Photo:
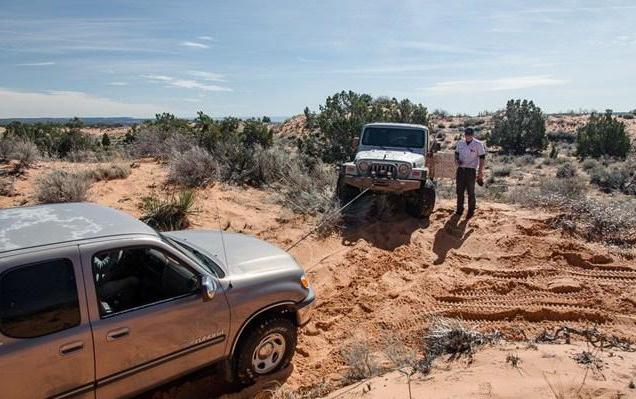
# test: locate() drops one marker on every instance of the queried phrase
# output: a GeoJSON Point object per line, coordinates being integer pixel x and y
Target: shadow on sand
{"type": "Point", "coordinates": [207, 384]}
{"type": "Point", "coordinates": [451, 236]}
{"type": "Point", "coordinates": [385, 234]}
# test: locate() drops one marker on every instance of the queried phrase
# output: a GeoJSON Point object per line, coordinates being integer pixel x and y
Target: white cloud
{"type": "Point", "coordinates": [60, 104]}
{"type": "Point", "coordinates": [118, 84]}
{"type": "Point", "coordinates": [483, 85]}
{"type": "Point", "coordinates": [46, 63]}
{"type": "Point", "coordinates": [435, 47]}
{"type": "Point", "coordinates": [194, 45]}
{"type": "Point", "coordinates": [184, 83]}
{"type": "Point", "coordinates": [206, 38]}
{"type": "Point", "coordinates": [210, 76]}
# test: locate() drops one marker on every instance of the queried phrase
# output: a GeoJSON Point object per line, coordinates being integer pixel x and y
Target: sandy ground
{"type": "Point", "coordinates": [505, 269]}
{"type": "Point", "coordinates": [545, 372]}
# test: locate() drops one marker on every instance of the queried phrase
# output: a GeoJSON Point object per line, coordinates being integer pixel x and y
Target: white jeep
{"type": "Point", "coordinates": [391, 158]}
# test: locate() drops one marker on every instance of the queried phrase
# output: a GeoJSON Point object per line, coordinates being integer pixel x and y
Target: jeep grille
{"type": "Point", "coordinates": [382, 170]}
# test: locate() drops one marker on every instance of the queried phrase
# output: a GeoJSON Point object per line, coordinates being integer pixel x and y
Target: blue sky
{"type": "Point", "coordinates": [136, 58]}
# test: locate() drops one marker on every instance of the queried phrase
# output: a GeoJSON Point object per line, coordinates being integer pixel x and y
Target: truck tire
{"type": "Point", "coordinates": [269, 347]}
{"type": "Point", "coordinates": [345, 192]}
{"type": "Point", "coordinates": [421, 202]}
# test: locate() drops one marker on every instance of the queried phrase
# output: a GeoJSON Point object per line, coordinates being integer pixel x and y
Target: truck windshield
{"type": "Point", "coordinates": [393, 137]}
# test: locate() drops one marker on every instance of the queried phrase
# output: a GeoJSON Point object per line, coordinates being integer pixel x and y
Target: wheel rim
{"type": "Point", "coordinates": [268, 353]}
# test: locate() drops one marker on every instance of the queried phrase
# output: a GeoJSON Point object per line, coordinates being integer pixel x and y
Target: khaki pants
{"type": "Point", "coordinates": [465, 181]}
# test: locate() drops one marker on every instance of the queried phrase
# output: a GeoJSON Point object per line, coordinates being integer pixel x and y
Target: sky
{"type": "Point", "coordinates": [250, 58]}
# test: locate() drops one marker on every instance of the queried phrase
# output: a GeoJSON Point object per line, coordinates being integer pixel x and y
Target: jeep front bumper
{"type": "Point", "coordinates": [384, 185]}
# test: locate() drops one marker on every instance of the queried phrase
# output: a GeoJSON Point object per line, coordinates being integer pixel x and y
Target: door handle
{"type": "Point", "coordinates": [71, 347]}
{"type": "Point", "coordinates": [117, 333]}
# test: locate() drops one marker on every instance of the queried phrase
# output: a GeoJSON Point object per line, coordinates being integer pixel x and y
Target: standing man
{"type": "Point", "coordinates": [470, 156]}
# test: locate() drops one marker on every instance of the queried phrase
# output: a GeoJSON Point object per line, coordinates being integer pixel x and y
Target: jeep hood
{"type": "Point", "coordinates": [392, 155]}
{"type": "Point", "coordinates": [245, 254]}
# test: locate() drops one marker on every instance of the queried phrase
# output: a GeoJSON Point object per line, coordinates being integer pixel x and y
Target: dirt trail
{"type": "Point", "coordinates": [505, 269]}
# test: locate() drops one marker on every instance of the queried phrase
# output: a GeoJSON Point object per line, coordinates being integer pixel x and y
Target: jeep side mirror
{"type": "Point", "coordinates": [354, 143]}
{"type": "Point", "coordinates": [209, 286]}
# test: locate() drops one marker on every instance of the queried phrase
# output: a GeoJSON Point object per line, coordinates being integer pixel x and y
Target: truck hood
{"type": "Point", "coordinates": [245, 254]}
{"type": "Point", "coordinates": [392, 155]}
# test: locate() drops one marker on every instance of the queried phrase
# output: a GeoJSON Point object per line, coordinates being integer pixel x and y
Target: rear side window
{"type": "Point", "coordinates": [38, 299]}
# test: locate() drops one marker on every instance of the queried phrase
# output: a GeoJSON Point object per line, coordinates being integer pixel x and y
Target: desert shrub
{"type": "Point", "coordinates": [7, 187]}
{"type": "Point", "coordinates": [109, 171]}
{"type": "Point", "coordinates": [615, 177]}
{"type": "Point", "coordinates": [502, 171]}
{"type": "Point", "coordinates": [168, 213]}
{"type": "Point", "coordinates": [25, 152]}
{"type": "Point", "coordinates": [603, 135]}
{"type": "Point", "coordinates": [627, 116]}
{"type": "Point", "coordinates": [62, 186]}
{"type": "Point", "coordinates": [358, 357]}
{"type": "Point", "coordinates": [525, 160]}
{"type": "Point", "coordinates": [151, 141]}
{"type": "Point", "coordinates": [451, 337]}
{"type": "Point", "coordinates": [303, 185]}
{"type": "Point", "coordinates": [589, 164]}
{"type": "Point", "coordinates": [561, 136]}
{"type": "Point", "coordinates": [53, 140]}
{"type": "Point", "coordinates": [193, 168]}
{"type": "Point", "coordinates": [520, 128]}
{"type": "Point", "coordinates": [105, 140]}
{"type": "Point", "coordinates": [565, 171]}
{"type": "Point", "coordinates": [341, 119]}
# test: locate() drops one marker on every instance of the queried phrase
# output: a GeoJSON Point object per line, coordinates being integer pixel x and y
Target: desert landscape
{"type": "Point", "coordinates": [513, 275]}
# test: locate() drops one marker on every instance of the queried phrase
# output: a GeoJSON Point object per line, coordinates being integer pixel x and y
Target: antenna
{"type": "Point", "coordinates": [218, 216]}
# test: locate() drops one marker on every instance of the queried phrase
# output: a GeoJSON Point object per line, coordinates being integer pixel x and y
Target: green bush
{"type": "Point", "coordinates": [589, 164]}
{"type": "Point", "coordinates": [603, 135]}
{"type": "Point", "coordinates": [519, 128]}
{"type": "Point", "coordinates": [341, 119]}
{"type": "Point", "coordinates": [53, 140]}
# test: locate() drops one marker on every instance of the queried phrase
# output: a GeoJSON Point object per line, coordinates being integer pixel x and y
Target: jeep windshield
{"type": "Point", "coordinates": [393, 137]}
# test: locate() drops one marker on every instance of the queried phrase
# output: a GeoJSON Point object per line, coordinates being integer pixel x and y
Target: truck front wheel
{"type": "Point", "coordinates": [268, 348]}
{"type": "Point", "coordinates": [421, 202]}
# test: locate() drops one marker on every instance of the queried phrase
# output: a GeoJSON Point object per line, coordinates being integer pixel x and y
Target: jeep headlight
{"type": "Point", "coordinates": [363, 166]}
{"type": "Point", "coordinates": [404, 170]}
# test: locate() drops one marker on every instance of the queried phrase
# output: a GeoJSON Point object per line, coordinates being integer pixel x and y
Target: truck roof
{"type": "Point", "coordinates": [392, 124]}
{"type": "Point", "coordinates": [39, 225]}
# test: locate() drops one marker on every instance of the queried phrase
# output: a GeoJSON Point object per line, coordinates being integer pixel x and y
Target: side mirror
{"type": "Point", "coordinates": [210, 286]}
{"type": "Point", "coordinates": [354, 143]}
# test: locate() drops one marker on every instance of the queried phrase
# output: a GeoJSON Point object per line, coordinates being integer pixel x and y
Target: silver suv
{"type": "Point", "coordinates": [96, 304]}
{"type": "Point", "coordinates": [391, 158]}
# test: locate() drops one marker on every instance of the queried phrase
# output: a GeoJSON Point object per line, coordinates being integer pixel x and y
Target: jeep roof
{"type": "Point", "coordinates": [393, 124]}
{"type": "Point", "coordinates": [39, 225]}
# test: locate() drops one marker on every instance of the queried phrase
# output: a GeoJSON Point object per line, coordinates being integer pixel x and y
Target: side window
{"type": "Point", "coordinates": [38, 299]}
{"type": "Point", "coordinates": [131, 277]}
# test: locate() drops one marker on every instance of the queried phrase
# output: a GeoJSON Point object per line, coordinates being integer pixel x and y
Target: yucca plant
{"type": "Point", "coordinates": [169, 213]}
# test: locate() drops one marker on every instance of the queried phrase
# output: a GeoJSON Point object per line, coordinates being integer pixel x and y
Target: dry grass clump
{"type": "Point", "coordinates": [23, 151]}
{"type": "Point", "coordinates": [358, 357]}
{"type": "Point", "coordinates": [193, 168]}
{"type": "Point", "coordinates": [451, 337]}
{"type": "Point", "coordinates": [168, 213]}
{"type": "Point", "coordinates": [109, 171]}
{"type": "Point", "coordinates": [62, 186]}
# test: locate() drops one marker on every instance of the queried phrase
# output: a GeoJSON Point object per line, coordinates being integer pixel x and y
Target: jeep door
{"type": "Point", "coordinates": [46, 346]}
{"type": "Point", "coordinates": [150, 322]}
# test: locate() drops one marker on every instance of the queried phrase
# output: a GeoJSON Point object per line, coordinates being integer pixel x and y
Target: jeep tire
{"type": "Point", "coordinates": [268, 348]}
{"type": "Point", "coordinates": [421, 202]}
{"type": "Point", "coordinates": [345, 192]}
